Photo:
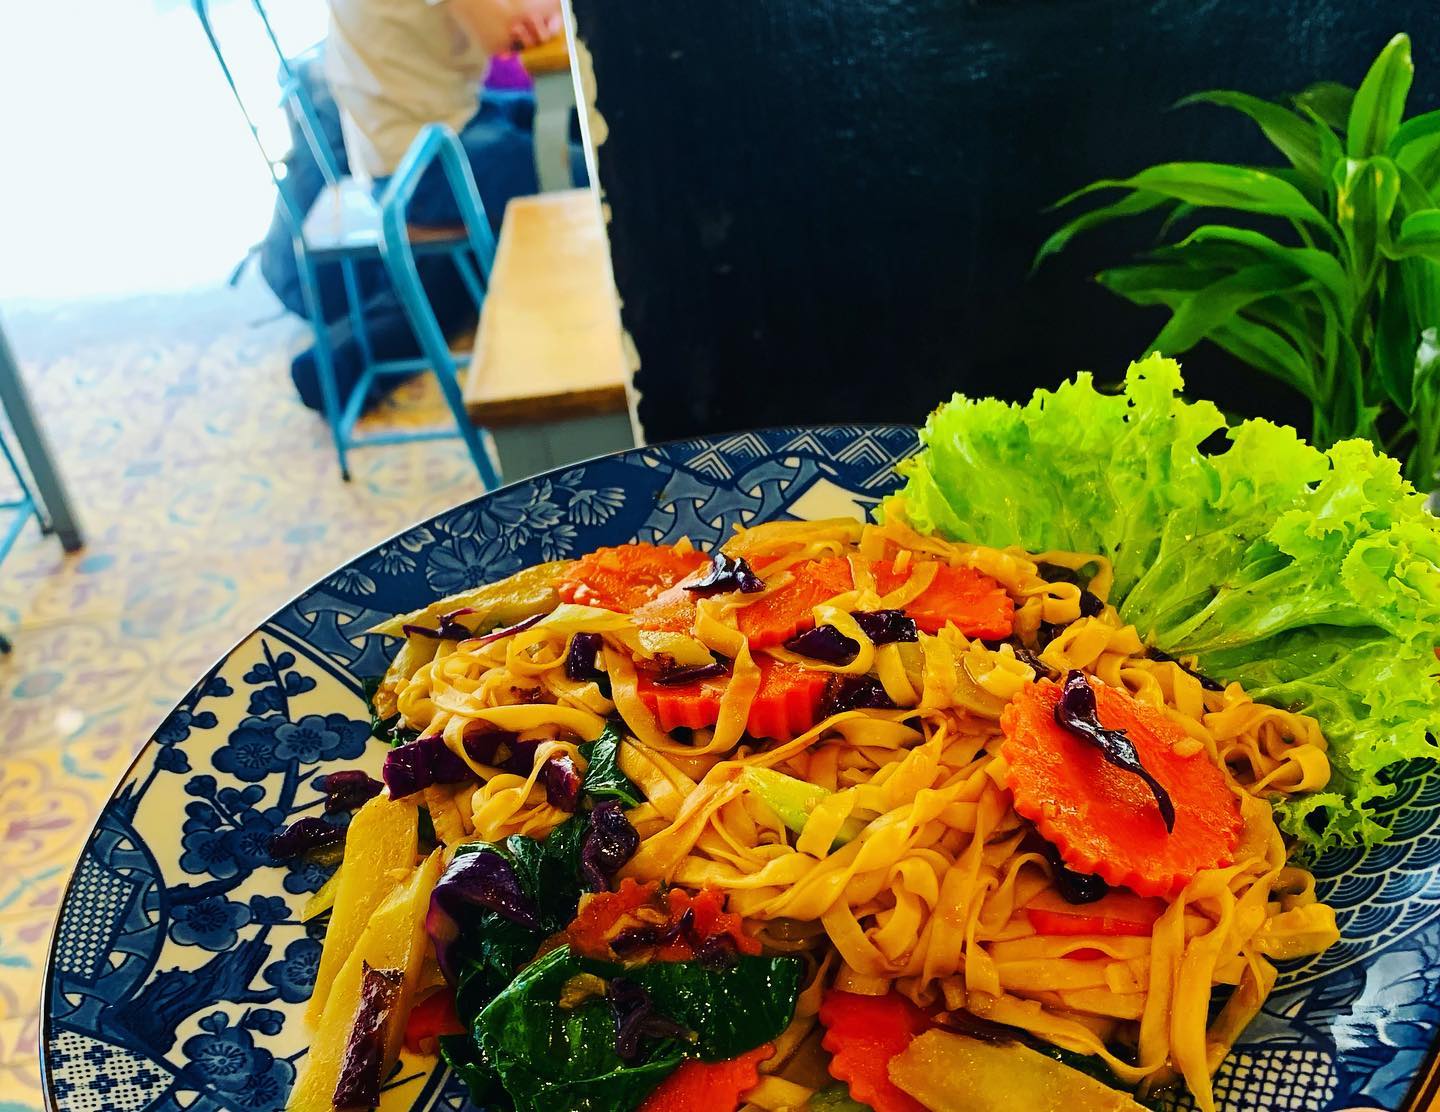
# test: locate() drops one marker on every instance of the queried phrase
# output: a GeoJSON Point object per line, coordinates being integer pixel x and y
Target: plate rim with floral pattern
{"type": "Point", "coordinates": [174, 981]}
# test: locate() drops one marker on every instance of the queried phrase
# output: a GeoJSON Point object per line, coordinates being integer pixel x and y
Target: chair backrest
{"type": "Point", "coordinates": [299, 105]}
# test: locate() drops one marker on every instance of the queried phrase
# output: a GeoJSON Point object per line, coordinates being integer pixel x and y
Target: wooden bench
{"type": "Point", "coordinates": [549, 375]}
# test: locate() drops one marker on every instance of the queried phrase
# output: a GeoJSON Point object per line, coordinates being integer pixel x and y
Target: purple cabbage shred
{"type": "Point", "coordinates": [582, 660]}
{"type": "Point", "coordinates": [634, 939]}
{"type": "Point", "coordinates": [727, 573]}
{"type": "Point", "coordinates": [825, 643]}
{"type": "Point", "coordinates": [361, 1067]}
{"type": "Point", "coordinates": [885, 627]}
{"type": "Point", "coordinates": [304, 836]}
{"type": "Point", "coordinates": [349, 788]}
{"type": "Point", "coordinates": [636, 1018]}
{"type": "Point", "coordinates": [448, 628]}
{"type": "Point", "coordinates": [844, 693]}
{"type": "Point", "coordinates": [609, 842]}
{"type": "Point", "coordinates": [418, 764]}
{"type": "Point", "coordinates": [694, 673]}
{"type": "Point", "coordinates": [562, 783]}
{"type": "Point", "coordinates": [482, 879]}
{"type": "Point", "coordinates": [508, 631]}
{"type": "Point", "coordinates": [484, 746]}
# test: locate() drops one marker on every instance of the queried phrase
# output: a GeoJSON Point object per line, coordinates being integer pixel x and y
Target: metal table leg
{"type": "Point", "coordinates": [49, 487]}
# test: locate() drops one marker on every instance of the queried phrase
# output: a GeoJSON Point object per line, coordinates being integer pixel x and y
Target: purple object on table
{"type": "Point", "coordinates": [507, 74]}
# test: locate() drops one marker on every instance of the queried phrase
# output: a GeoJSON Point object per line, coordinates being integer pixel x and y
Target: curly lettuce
{"type": "Point", "coordinates": [1312, 578]}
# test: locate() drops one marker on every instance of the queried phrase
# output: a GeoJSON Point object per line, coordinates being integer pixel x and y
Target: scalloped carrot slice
{"type": "Point", "coordinates": [1104, 820]}
{"type": "Point", "coordinates": [787, 703]}
{"type": "Point", "coordinates": [698, 1086]}
{"type": "Point", "coordinates": [670, 611]}
{"type": "Point", "coordinates": [1116, 913]}
{"type": "Point", "coordinates": [628, 575]}
{"type": "Point", "coordinates": [778, 617]}
{"type": "Point", "coordinates": [693, 705]}
{"type": "Point", "coordinates": [977, 604]}
{"type": "Point", "coordinates": [862, 1034]}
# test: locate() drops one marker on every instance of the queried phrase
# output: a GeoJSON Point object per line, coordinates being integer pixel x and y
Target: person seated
{"type": "Point", "coordinates": [394, 66]}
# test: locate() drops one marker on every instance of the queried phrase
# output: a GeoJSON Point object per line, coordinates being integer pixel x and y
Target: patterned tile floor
{"type": "Point", "coordinates": [209, 496]}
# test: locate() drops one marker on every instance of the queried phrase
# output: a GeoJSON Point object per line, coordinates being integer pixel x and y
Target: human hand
{"type": "Point", "coordinates": [532, 30]}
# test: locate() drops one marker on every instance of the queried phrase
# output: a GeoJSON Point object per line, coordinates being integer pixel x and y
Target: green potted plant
{"type": "Point", "coordinates": [1326, 276]}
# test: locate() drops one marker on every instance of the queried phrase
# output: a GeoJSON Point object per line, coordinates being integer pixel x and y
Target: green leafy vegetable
{"type": "Point", "coordinates": [549, 1056]}
{"type": "Point", "coordinates": [603, 778]}
{"type": "Point", "coordinates": [549, 870]}
{"type": "Point", "coordinates": [835, 1098]}
{"type": "Point", "coordinates": [1311, 578]}
{"type": "Point", "coordinates": [1335, 292]}
{"type": "Point", "coordinates": [463, 1055]}
{"type": "Point", "coordinates": [387, 730]}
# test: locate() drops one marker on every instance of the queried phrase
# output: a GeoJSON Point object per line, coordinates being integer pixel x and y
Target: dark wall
{"type": "Point", "coordinates": [826, 209]}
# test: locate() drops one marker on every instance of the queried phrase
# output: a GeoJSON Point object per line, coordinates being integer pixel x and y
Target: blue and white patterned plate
{"type": "Point", "coordinates": [179, 966]}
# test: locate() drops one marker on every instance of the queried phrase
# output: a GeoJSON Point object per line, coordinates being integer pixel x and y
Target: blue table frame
{"type": "Point", "coordinates": [44, 496]}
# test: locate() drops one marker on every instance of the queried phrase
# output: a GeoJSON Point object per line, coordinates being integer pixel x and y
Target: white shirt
{"type": "Point", "coordinates": [394, 66]}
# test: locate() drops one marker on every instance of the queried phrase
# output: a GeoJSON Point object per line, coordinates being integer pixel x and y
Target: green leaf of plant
{"type": "Point", "coordinates": [1365, 196]}
{"type": "Point", "coordinates": [1313, 263]}
{"type": "Point", "coordinates": [1217, 185]}
{"type": "Point", "coordinates": [1421, 158]}
{"type": "Point", "coordinates": [1379, 103]}
{"type": "Point", "coordinates": [1420, 235]}
{"type": "Point", "coordinates": [1268, 351]}
{"type": "Point", "coordinates": [1290, 133]}
{"type": "Point", "coordinates": [1413, 130]}
{"type": "Point", "coordinates": [1327, 101]}
{"type": "Point", "coordinates": [1300, 320]}
{"type": "Point", "coordinates": [1396, 338]}
{"type": "Point", "coordinates": [1332, 151]}
{"type": "Point", "coordinates": [1207, 309]}
{"type": "Point", "coordinates": [1422, 288]}
{"type": "Point", "coordinates": [1157, 283]}
{"type": "Point", "coordinates": [1132, 205]}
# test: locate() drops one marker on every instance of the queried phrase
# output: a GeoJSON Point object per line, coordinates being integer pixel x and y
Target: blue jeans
{"type": "Point", "coordinates": [500, 145]}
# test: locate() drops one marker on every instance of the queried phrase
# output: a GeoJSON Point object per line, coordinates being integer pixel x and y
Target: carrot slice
{"type": "Point", "coordinates": [1103, 819]}
{"type": "Point", "coordinates": [671, 611]}
{"type": "Point", "coordinates": [432, 1017]}
{"type": "Point", "coordinates": [977, 604]}
{"type": "Point", "coordinates": [787, 703]}
{"type": "Point", "coordinates": [600, 914]}
{"type": "Point", "coordinates": [1116, 913]}
{"type": "Point", "coordinates": [862, 1034]}
{"type": "Point", "coordinates": [627, 576]}
{"type": "Point", "coordinates": [692, 705]}
{"type": "Point", "coordinates": [708, 1086]}
{"type": "Point", "coordinates": [778, 617]}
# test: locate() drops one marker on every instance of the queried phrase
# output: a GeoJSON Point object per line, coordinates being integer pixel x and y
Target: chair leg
{"type": "Point", "coordinates": [475, 438]}
{"type": "Point", "coordinates": [357, 314]}
{"type": "Point", "coordinates": [324, 359]}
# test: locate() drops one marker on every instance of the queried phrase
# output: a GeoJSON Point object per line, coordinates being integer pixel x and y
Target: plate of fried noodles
{"type": "Point", "coordinates": [1070, 755]}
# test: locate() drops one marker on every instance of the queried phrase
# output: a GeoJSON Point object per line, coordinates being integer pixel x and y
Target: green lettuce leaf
{"type": "Point", "coordinates": [1311, 578]}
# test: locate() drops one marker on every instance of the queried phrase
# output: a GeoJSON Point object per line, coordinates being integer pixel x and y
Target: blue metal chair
{"type": "Point", "coordinates": [354, 232]}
